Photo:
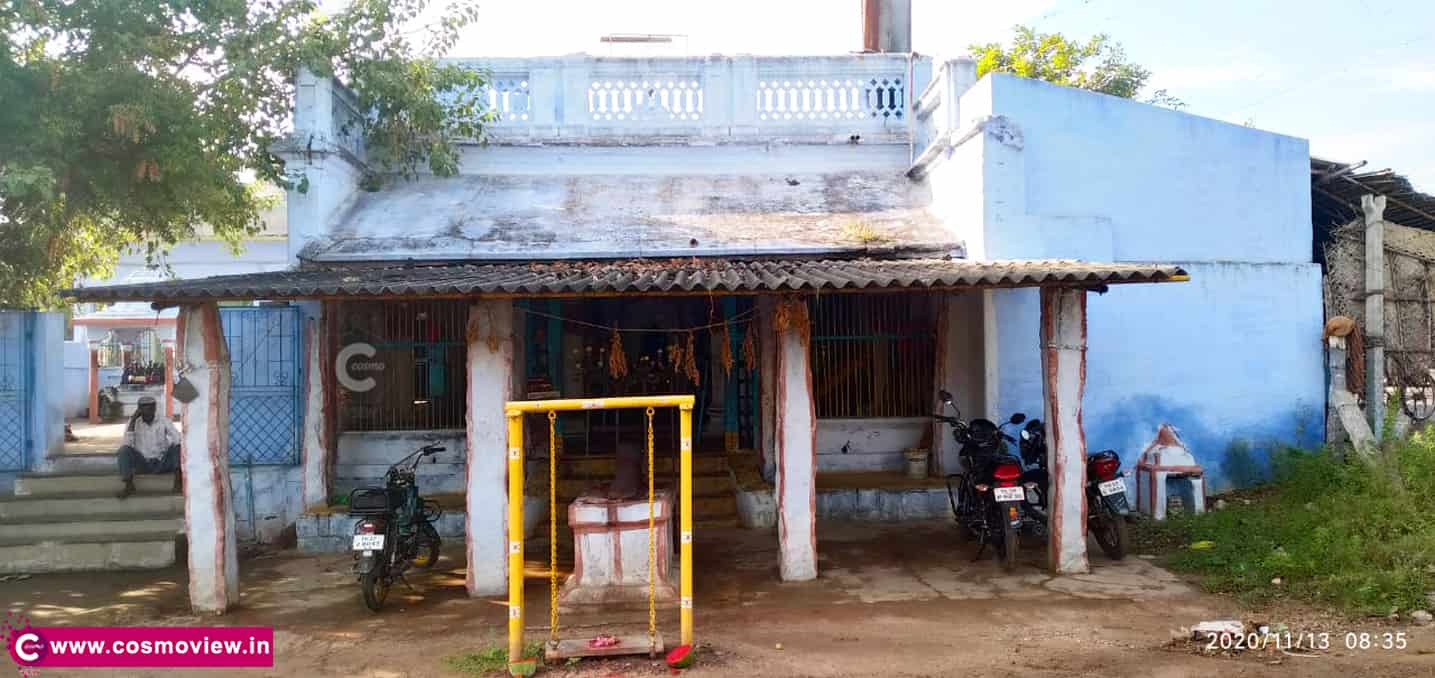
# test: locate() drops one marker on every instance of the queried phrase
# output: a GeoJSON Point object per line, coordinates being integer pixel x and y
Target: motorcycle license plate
{"type": "Point", "coordinates": [1111, 487]}
{"type": "Point", "coordinates": [1009, 493]}
{"type": "Point", "coordinates": [368, 542]}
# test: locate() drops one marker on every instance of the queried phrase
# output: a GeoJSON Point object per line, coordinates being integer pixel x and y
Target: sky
{"type": "Point", "coordinates": [1355, 77]}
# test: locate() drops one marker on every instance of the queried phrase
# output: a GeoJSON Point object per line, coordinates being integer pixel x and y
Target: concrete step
{"type": "Point", "coordinates": [602, 467]}
{"type": "Point", "coordinates": [711, 508]}
{"type": "Point", "coordinates": [85, 527]}
{"type": "Point", "coordinates": [715, 523]}
{"type": "Point", "coordinates": [31, 508]}
{"type": "Point", "coordinates": [87, 464]}
{"type": "Point", "coordinates": [703, 486]}
{"type": "Point", "coordinates": [137, 551]}
{"type": "Point", "coordinates": [49, 484]}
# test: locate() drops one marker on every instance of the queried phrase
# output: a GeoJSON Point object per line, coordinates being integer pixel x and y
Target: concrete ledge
{"type": "Point", "coordinates": [332, 532]}
{"type": "Point", "coordinates": [757, 509]}
{"type": "Point", "coordinates": [883, 505]}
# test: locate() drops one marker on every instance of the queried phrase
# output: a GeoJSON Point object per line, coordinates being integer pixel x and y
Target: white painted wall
{"type": "Point", "coordinates": [77, 378]}
{"type": "Point", "coordinates": [48, 413]}
{"type": "Point", "coordinates": [868, 444]}
{"type": "Point", "coordinates": [266, 501]}
{"type": "Point", "coordinates": [202, 258]}
{"type": "Point", "coordinates": [364, 456]}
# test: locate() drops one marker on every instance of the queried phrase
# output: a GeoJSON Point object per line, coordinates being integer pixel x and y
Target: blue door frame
{"type": "Point", "coordinates": [266, 413]}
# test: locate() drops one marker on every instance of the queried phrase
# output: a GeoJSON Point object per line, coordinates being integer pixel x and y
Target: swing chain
{"type": "Point", "coordinates": [652, 551]}
{"type": "Point", "coordinates": [552, 527]}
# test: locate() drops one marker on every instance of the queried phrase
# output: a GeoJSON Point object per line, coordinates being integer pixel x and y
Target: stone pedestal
{"type": "Point", "coordinates": [610, 551]}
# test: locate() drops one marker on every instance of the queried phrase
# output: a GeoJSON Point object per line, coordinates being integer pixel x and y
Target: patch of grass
{"type": "Point", "coordinates": [489, 660]}
{"type": "Point", "coordinates": [1335, 533]}
{"type": "Point", "coordinates": [863, 233]}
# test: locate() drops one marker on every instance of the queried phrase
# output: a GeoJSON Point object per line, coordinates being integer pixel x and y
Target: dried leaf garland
{"type": "Point", "coordinates": [675, 356]}
{"type": "Point", "coordinates": [725, 349]}
{"type": "Point", "coordinates": [749, 348]}
{"type": "Point", "coordinates": [690, 364]}
{"type": "Point", "coordinates": [617, 357]}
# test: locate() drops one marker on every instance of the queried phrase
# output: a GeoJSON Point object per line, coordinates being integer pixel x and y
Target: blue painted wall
{"type": "Point", "coordinates": [1232, 358]}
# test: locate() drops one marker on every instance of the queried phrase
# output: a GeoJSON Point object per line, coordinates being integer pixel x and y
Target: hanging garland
{"type": "Point", "coordinates": [725, 350]}
{"type": "Point", "coordinates": [749, 350]}
{"type": "Point", "coordinates": [690, 364]}
{"type": "Point", "coordinates": [617, 357]}
{"type": "Point", "coordinates": [682, 358]}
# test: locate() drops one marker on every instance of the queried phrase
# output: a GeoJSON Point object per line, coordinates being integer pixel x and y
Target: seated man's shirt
{"type": "Point", "coordinates": [151, 440]}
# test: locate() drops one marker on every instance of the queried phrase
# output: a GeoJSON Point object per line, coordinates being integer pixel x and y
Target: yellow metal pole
{"type": "Point", "coordinates": [515, 536]}
{"type": "Point", "coordinates": [685, 451]}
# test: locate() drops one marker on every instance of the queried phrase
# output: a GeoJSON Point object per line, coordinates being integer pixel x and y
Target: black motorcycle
{"type": "Point", "coordinates": [396, 529]}
{"type": "Point", "coordinates": [1106, 507]}
{"type": "Point", "coordinates": [987, 499]}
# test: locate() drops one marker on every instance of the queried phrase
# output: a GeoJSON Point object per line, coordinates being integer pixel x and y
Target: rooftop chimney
{"type": "Point", "coordinates": [886, 25]}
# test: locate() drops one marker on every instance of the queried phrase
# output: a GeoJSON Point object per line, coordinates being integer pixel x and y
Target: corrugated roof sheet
{"type": "Point", "coordinates": [635, 276]}
{"type": "Point", "coordinates": [1336, 188]}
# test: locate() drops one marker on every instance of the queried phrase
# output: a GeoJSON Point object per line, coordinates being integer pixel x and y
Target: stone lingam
{"type": "Point", "coordinates": [610, 542]}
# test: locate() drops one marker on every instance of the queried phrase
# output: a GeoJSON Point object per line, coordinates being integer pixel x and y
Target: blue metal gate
{"type": "Point", "coordinates": [267, 387]}
{"type": "Point", "coordinates": [15, 361]}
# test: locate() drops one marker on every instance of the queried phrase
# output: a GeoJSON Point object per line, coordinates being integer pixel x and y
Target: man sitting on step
{"type": "Point", "coordinates": [150, 447]}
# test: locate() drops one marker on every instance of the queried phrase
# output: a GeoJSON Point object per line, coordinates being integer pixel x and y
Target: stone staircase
{"type": "Point", "coordinates": [67, 519]}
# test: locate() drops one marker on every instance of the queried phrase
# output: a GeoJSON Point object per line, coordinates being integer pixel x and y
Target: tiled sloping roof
{"type": "Point", "coordinates": [635, 276]}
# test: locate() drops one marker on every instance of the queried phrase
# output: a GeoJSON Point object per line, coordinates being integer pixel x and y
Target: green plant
{"type": "Point", "coordinates": [489, 660]}
{"type": "Point", "coordinates": [138, 124]}
{"type": "Point", "coordinates": [862, 233]}
{"type": "Point", "coordinates": [1337, 534]}
{"type": "Point", "coordinates": [1099, 64]}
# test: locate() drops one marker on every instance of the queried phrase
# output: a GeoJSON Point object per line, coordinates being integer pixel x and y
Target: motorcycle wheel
{"type": "Point", "coordinates": [1008, 546]}
{"type": "Point", "coordinates": [429, 542]}
{"type": "Point", "coordinates": [375, 587]}
{"type": "Point", "coordinates": [1110, 532]}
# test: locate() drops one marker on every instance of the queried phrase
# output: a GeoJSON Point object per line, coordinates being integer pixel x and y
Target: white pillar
{"type": "Point", "coordinates": [1063, 365]}
{"type": "Point", "coordinates": [490, 382]}
{"type": "Point", "coordinates": [796, 445]}
{"type": "Point", "coordinates": [204, 458]}
{"type": "Point", "coordinates": [317, 437]}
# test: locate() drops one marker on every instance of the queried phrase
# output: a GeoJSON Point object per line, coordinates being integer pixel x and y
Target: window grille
{"type": "Point", "coordinates": [873, 355]}
{"type": "Point", "coordinates": [417, 367]}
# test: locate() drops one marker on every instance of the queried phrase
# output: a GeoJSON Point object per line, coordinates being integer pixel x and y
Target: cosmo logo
{"type": "Point", "coordinates": [345, 371]}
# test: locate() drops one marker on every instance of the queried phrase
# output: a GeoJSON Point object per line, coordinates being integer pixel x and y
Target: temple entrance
{"type": "Point", "coordinates": [640, 346]}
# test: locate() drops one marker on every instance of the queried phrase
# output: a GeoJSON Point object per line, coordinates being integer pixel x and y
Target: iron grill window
{"type": "Point", "coordinates": [418, 366]}
{"type": "Point", "coordinates": [873, 355]}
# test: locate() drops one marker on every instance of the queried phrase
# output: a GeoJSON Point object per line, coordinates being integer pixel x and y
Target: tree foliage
{"type": "Point", "coordinates": [132, 123]}
{"type": "Point", "coordinates": [1098, 64]}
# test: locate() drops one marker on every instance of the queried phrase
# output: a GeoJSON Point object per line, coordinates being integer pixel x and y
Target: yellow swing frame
{"type": "Point", "coordinates": [515, 410]}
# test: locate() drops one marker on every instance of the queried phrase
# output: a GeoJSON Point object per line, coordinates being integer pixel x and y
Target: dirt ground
{"type": "Point", "coordinates": [892, 600]}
